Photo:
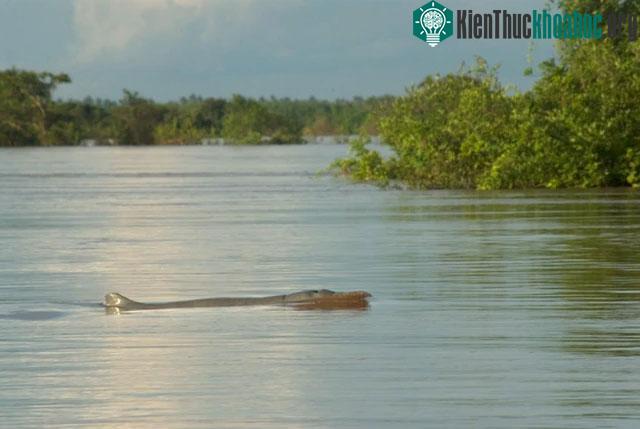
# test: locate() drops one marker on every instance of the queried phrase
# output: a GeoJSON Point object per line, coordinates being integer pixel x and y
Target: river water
{"type": "Point", "coordinates": [490, 310]}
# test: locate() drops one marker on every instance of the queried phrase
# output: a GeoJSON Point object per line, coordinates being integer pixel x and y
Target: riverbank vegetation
{"type": "Point", "coordinates": [29, 116]}
{"type": "Point", "coordinates": [579, 126]}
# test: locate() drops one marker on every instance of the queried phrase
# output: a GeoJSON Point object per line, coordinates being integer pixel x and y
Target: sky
{"type": "Point", "coordinates": [166, 49]}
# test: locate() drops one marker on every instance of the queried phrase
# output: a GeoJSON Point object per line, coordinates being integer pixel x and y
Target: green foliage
{"type": "Point", "coordinates": [322, 117]}
{"type": "Point", "coordinates": [136, 118]}
{"type": "Point", "coordinates": [577, 127]}
{"type": "Point", "coordinates": [364, 165]}
{"type": "Point", "coordinates": [178, 130]}
{"type": "Point", "coordinates": [29, 116]}
{"type": "Point", "coordinates": [448, 131]}
{"type": "Point", "coordinates": [208, 114]}
{"type": "Point", "coordinates": [603, 6]}
{"type": "Point", "coordinates": [25, 99]}
{"type": "Point", "coordinates": [72, 121]}
{"type": "Point", "coordinates": [247, 121]}
{"type": "Point", "coordinates": [633, 159]}
{"type": "Point", "coordinates": [581, 117]}
{"type": "Point", "coordinates": [445, 133]}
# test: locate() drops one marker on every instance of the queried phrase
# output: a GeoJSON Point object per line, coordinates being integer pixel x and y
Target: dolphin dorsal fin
{"type": "Point", "coordinates": [114, 299]}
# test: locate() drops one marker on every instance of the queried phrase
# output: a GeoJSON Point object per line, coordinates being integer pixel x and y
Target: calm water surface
{"type": "Point", "coordinates": [491, 310]}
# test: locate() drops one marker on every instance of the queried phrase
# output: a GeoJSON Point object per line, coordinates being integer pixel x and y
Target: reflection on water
{"type": "Point", "coordinates": [33, 315]}
{"type": "Point", "coordinates": [490, 309]}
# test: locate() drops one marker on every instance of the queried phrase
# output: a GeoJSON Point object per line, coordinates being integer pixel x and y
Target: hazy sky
{"type": "Point", "coordinates": [169, 48]}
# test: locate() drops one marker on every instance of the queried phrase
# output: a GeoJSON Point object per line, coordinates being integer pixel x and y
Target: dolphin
{"type": "Point", "coordinates": [309, 299]}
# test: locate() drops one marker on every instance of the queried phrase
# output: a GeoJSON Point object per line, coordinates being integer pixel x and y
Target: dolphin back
{"type": "Point", "coordinates": [309, 299]}
{"type": "Point", "coordinates": [114, 299]}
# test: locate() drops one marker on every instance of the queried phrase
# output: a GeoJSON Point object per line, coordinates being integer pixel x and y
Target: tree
{"type": "Point", "coordinates": [136, 119]}
{"type": "Point", "coordinates": [577, 127]}
{"type": "Point", "coordinates": [25, 98]}
{"type": "Point", "coordinates": [209, 115]}
{"type": "Point", "coordinates": [247, 121]}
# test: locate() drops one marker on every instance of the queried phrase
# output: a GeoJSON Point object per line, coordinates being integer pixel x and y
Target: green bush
{"type": "Point", "coordinates": [577, 127]}
{"type": "Point", "coordinates": [247, 121]}
{"type": "Point", "coordinates": [25, 101]}
{"type": "Point", "coordinates": [364, 165]}
{"type": "Point", "coordinates": [445, 133]}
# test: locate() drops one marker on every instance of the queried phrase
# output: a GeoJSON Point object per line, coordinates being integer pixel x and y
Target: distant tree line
{"type": "Point", "coordinates": [579, 126]}
{"type": "Point", "coordinates": [30, 116]}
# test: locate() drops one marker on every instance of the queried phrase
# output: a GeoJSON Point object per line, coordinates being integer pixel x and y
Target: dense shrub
{"type": "Point", "coordinates": [579, 126]}
{"type": "Point", "coordinates": [29, 116]}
